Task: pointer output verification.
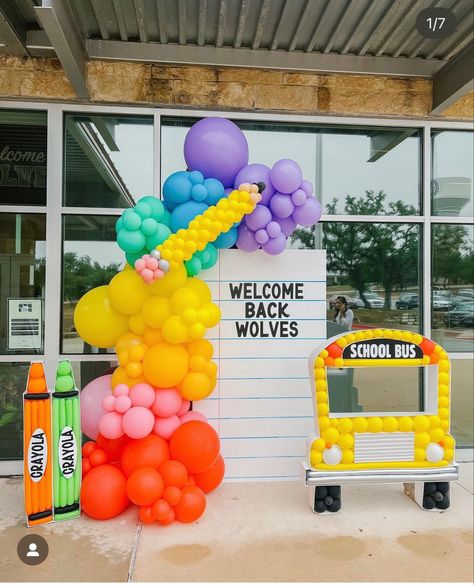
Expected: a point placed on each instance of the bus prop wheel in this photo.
(327, 499)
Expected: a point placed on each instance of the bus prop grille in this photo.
(375, 447)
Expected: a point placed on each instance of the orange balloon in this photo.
(150, 451)
(103, 493)
(37, 385)
(173, 473)
(165, 364)
(161, 510)
(146, 514)
(36, 370)
(145, 486)
(171, 517)
(212, 477)
(172, 495)
(86, 466)
(196, 444)
(113, 447)
(192, 504)
(88, 447)
(97, 457)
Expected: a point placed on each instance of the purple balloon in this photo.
(299, 197)
(309, 213)
(286, 175)
(275, 245)
(246, 239)
(218, 148)
(288, 225)
(307, 187)
(261, 236)
(255, 173)
(273, 229)
(259, 218)
(281, 205)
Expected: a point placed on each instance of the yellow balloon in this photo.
(200, 347)
(200, 288)
(195, 386)
(137, 324)
(126, 341)
(174, 330)
(213, 315)
(165, 364)
(184, 298)
(128, 292)
(96, 320)
(156, 310)
(120, 377)
(152, 336)
(165, 286)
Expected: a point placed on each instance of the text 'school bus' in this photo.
(406, 439)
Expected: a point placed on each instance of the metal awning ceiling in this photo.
(350, 36)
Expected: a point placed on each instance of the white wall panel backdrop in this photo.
(262, 406)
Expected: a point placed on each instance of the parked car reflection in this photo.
(461, 316)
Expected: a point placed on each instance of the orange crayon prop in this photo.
(37, 475)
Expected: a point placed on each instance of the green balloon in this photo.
(64, 383)
(166, 217)
(131, 241)
(64, 368)
(132, 258)
(143, 209)
(212, 258)
(131, 221)
(149, 226)
(162, 233)
(193, 266)
(156, 205)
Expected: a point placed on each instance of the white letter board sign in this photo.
(273, 316)
(25, 324)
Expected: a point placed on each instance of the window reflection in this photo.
(13, 377)
(108, 160)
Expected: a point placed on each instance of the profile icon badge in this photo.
(32, 549)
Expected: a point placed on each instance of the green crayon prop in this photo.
(67, 470)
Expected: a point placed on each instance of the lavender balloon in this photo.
(286, 175)
(287, 225)
(275, 246)
(281, 205)
(246, 239)
(309, 213)
(218, 148)
(259, 218)
(261, 236)
(255, 173)
(299, 197)
(307, 187)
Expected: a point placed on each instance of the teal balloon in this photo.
(131, 221)
(203, 255)
(131, 241)
(213, 255)
(149, 226)
(132, 258)
(118, 225)
(143, 209)
(157, 207)
(161, 234)
(228, 239)
(166, 217)
(193, 266)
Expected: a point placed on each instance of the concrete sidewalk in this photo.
(258, 532)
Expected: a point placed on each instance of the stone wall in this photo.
(225, 88)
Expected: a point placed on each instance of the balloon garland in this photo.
(148, 447)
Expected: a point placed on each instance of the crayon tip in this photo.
(36, 379)
(64, 377)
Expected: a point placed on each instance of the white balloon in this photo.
(434, 452)
(332, 456)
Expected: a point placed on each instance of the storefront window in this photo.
(91, 258)
(108, 160)
(342, 163)
(453, 286)
(452, 184)
(22, 277)
(13, 377)
(23, 140)
(462, 383)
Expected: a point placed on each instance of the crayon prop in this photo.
(37, 474)
(66, 445)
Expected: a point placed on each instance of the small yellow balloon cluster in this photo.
(205, 228)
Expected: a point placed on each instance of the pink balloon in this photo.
(138, 422)
(185, 406)
(193, 415)
(165, 427)
(142, 395)
(91, 404)
(110, 425)
(108, 403)
(121, 390)
(123, 403)
(168, 402)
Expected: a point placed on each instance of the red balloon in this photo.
(173, 473)
(86, 466)
(150, 451)
(97, 457)
(146, 514)
(196, 444)
(87, 448)
(192, 504)
(161, 510)
(145, 486)
(103, 493)
(169, 519)
(113, 447)
(172, 495)
(211, 477)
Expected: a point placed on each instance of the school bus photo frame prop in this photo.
(414, 448)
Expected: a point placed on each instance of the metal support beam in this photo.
(12, 31)
(68, 46)
(230, 57)
(453, 81)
